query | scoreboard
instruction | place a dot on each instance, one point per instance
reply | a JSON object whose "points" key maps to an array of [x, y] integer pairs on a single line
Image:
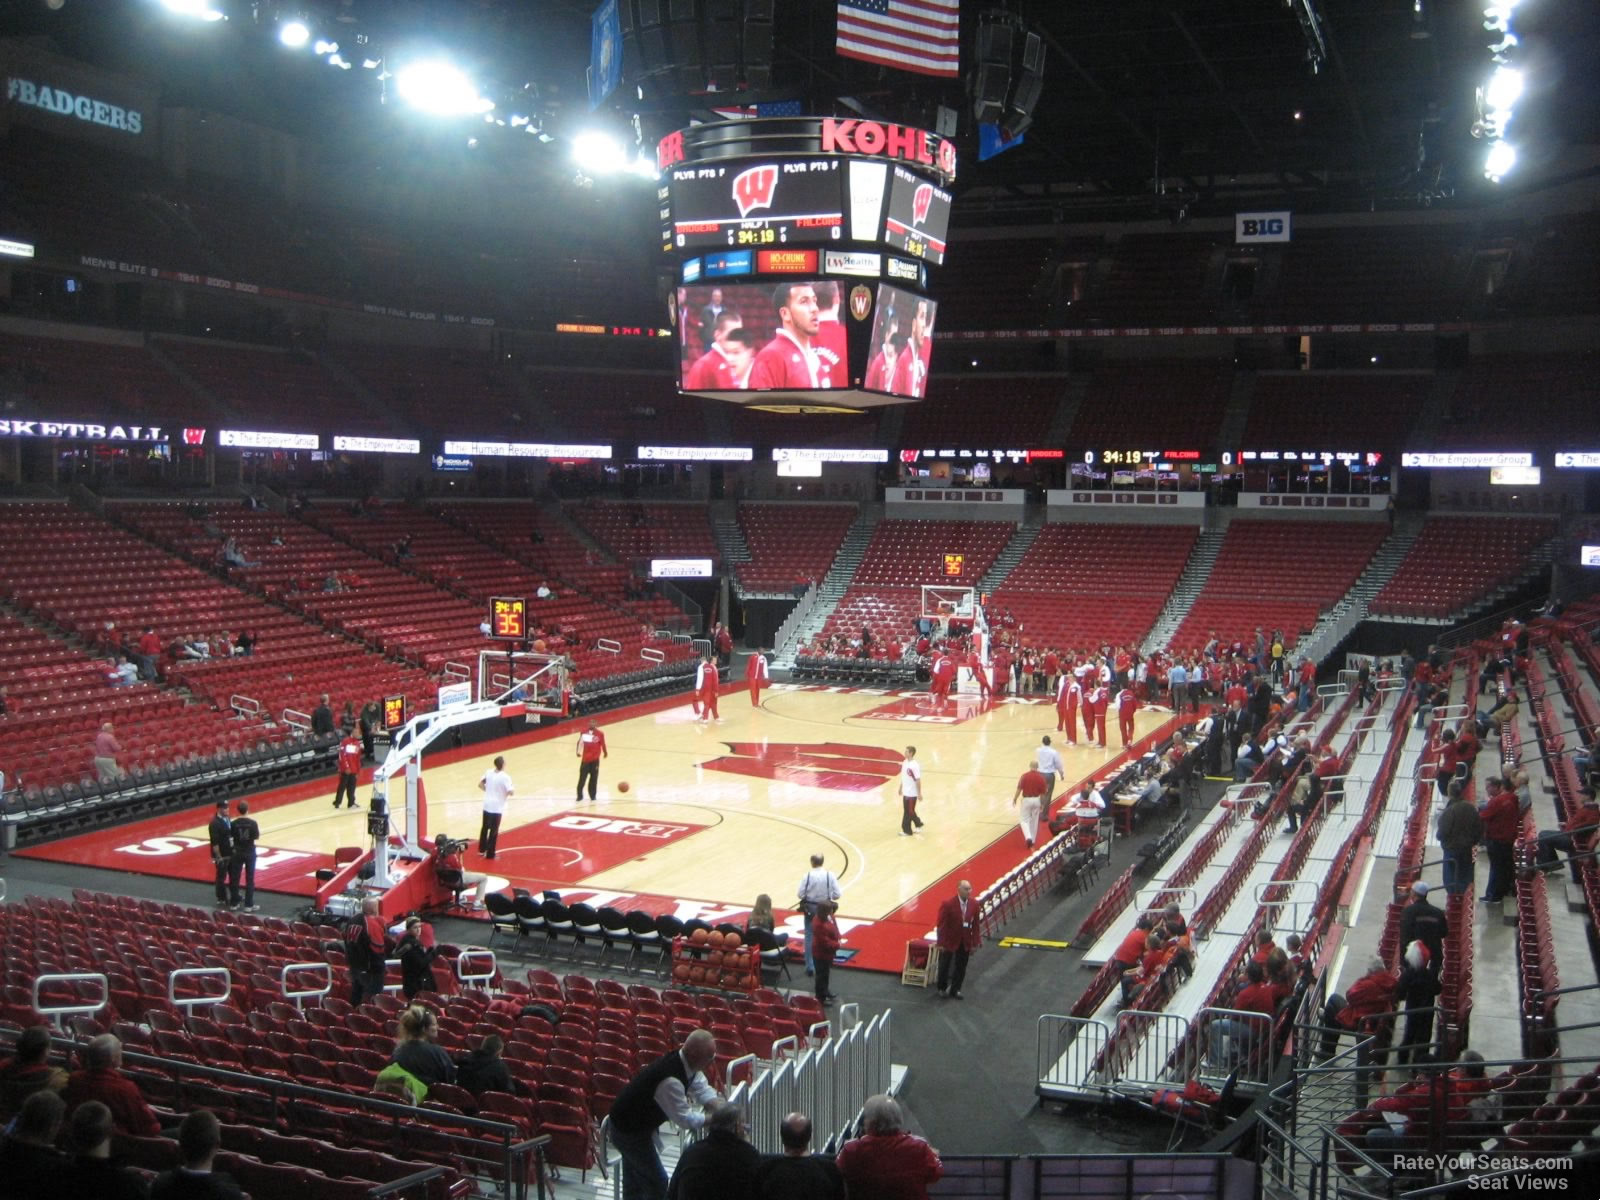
{"points": [[814, 238]]}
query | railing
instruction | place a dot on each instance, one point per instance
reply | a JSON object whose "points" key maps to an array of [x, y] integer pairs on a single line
{"points": [[609, 645], [830, 1080], [456, 672], [1067, 1049], [469, 977], [300, 995], [54, 1012], [188, 1003], [1148, 1041], [1270, 898], [296, 719], [243, 706], [651, 654]]}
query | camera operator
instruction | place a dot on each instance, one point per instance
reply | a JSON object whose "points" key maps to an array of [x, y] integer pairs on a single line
{"points": [[448, 868]]}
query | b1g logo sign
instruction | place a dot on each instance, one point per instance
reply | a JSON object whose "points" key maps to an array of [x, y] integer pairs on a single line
{"points": [[1261, 227], [755, 188]]}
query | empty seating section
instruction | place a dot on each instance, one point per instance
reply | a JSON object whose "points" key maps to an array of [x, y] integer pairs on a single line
{"points": [[1456, 561], [292, 573], [1154, 406], [789, 543], [1277, 575], [67, 379], [277, 388], [1563, 265], [1342, 411], [572, 569], [444, 391], [884, 592], [992, 412], [1157, 279], [988, 284], [1080, 586], [453, 560], [637, 531], [1522, 403], [620, 408], [1395, 273]]}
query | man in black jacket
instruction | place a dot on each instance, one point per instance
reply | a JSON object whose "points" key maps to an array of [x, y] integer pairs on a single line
{"points": [[798, 1174], [220, 832], [721, 1166], [484, 1070], [1421, 921], [246, 833], [674, 1088]]}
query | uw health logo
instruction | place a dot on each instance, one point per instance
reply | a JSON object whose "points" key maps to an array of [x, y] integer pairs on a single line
{"points": [[754, 188], [836, 765]]}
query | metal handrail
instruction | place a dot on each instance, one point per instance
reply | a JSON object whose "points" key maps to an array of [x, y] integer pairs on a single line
{"points": [[478, 979], [56, 1011], [300, 995], [189, 1002]]}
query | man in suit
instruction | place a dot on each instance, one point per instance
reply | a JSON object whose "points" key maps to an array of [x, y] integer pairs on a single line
{"points": [[958, 937]]}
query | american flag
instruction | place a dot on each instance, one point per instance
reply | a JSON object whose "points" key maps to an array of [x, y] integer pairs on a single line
{"points": [[911, 35]]}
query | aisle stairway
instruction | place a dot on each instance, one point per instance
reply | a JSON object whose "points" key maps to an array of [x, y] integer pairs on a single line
{"points": [[1193, 579], [833, 586], [731, 545], [1336, 624], [1027, 533]]}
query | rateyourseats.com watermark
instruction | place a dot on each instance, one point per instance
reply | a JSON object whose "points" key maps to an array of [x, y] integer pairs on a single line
{"points": [[1496, 1172]]}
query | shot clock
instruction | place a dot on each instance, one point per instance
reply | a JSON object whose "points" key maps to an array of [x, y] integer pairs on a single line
{"points": [[508, 618]]}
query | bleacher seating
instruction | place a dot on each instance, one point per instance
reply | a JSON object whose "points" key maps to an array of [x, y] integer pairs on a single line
{"points": [[1388, 273], [637, 531], [884, 593], [1157, 279], [1167, 406], [1559, 277], [787, 543], [989, 284], [453, 560], [1520, 402], [89, 379], [622, 409], [279, 389], [1083, 585], [993, 412], [1335, 411], [1277, 575], [1456, 561], [443, 391]]}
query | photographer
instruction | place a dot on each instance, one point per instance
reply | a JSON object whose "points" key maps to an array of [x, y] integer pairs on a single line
{"points": [[448, 869], [416, 953]]}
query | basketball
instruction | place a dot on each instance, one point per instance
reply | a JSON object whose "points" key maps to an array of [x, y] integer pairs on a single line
{"points": [[714, 958], [731, 941], [680, 972], [700, 937], [623, 786], [697, 975], [540, 646], [715, 939]]}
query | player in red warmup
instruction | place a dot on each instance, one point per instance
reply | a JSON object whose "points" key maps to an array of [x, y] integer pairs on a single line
{"points": [[1127, 705], [829, 342], [911, 365], [1094, 714], [975, 665], [726, 365], [790, 360], [1068, 692], [706, 685], [756, 675]]}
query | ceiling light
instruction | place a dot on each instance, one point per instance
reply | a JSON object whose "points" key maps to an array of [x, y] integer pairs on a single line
{"points": [[294, 34], [199, 9], [598, 153], [440, 88], [325, 47], [335, 60], [1505, 87], [1502, 157]]}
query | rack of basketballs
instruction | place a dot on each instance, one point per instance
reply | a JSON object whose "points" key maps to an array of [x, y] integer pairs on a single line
{"points": [[710, 958]]}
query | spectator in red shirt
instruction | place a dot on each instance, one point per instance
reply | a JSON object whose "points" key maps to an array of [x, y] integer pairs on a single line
{"points": [[1232, 1038], [1502, 822], [148, 652], [1372, 994], [1031, 789], [1575, 837], [1264, 947], [1128, 953], [28, 1071], [886, 1162], [349, 768], [102, 1079], [591, 749]]}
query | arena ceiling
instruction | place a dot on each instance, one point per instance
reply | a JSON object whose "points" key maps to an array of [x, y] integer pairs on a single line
{"points": [[1149, 107]]}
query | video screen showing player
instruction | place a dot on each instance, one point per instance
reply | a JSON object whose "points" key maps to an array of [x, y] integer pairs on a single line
{"points": [[774, 336], [902, 344]]}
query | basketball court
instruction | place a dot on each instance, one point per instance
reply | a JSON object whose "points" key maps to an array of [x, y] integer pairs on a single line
{"points": [[717, 812]]}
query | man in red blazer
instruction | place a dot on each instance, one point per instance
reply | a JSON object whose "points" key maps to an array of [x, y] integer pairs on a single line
{"points": [[958, 937]]}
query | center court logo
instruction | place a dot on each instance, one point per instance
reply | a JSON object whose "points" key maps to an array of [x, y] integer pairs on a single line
{"points": [[838, 766]]}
